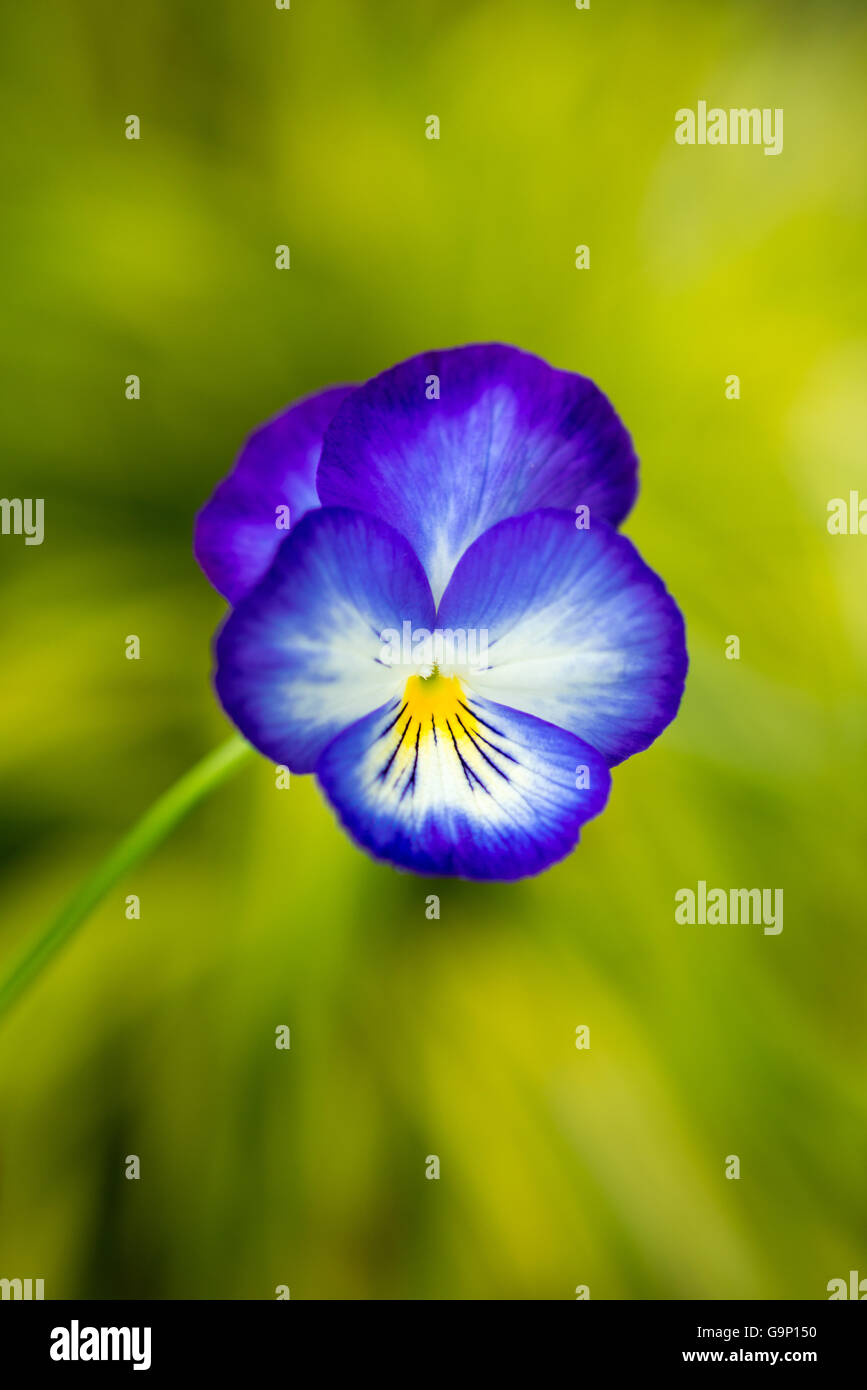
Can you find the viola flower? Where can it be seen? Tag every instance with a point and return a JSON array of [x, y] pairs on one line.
[[453, 636]]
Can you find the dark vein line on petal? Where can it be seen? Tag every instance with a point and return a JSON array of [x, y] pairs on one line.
[[481, 750], [396, 748]]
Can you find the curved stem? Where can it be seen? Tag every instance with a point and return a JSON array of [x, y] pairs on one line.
[[145, 835]]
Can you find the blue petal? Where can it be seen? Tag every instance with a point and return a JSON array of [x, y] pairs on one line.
[[237, 535], [444, 783], [579, 630], [507, 434], [300, 658]]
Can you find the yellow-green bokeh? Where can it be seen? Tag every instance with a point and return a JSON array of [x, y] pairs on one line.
[[411, 1037]]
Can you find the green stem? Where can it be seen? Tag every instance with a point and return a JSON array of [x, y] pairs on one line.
[[145, 835]]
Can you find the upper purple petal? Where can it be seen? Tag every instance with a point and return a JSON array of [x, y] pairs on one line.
[[236, 534], [448, 443]]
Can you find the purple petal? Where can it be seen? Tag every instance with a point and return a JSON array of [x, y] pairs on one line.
[[300, 658], [237, 533], [507, 434], [449, 784], [578, 630]]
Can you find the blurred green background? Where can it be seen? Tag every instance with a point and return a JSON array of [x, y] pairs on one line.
[[412, 1037]]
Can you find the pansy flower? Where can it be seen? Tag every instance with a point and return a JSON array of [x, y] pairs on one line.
[[452, 635]]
